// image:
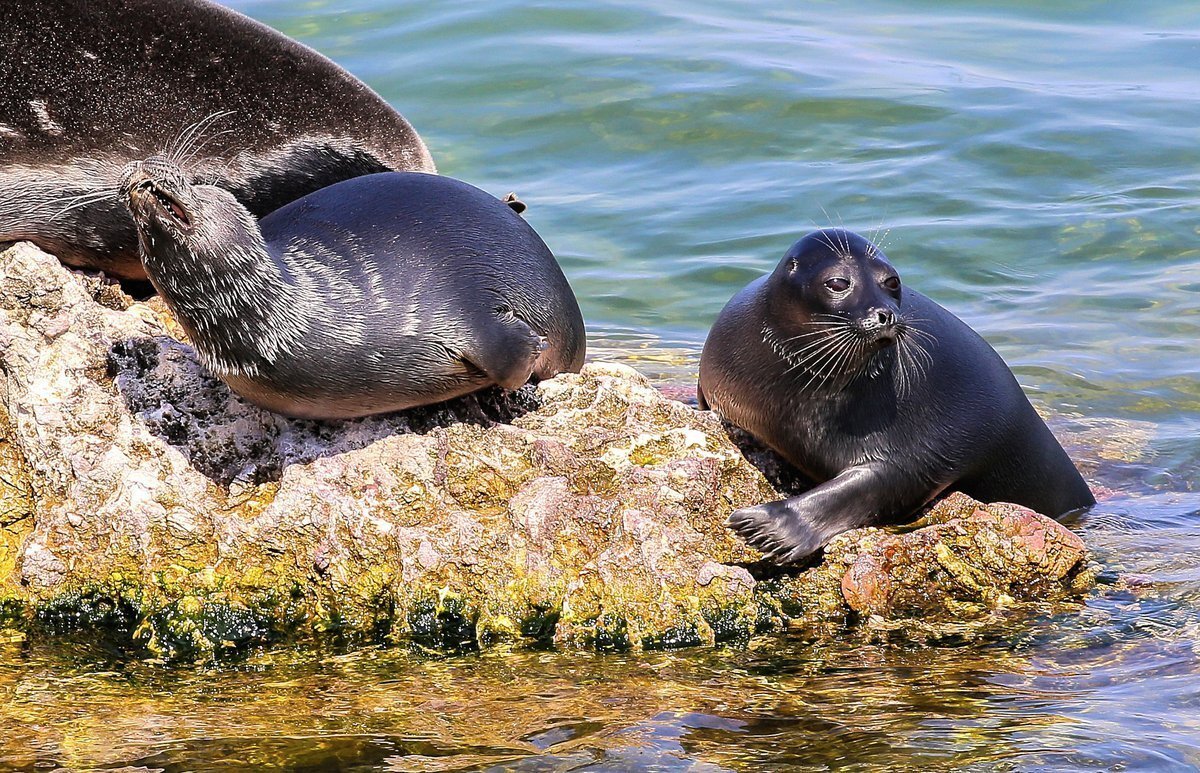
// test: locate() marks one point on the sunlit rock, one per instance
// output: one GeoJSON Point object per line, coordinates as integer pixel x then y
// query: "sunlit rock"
{"type": "Point", "coordinates": [138, 494]}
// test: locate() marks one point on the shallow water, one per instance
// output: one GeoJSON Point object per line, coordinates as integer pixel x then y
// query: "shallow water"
{"type": "Point", "coordinates": [1035, 168]}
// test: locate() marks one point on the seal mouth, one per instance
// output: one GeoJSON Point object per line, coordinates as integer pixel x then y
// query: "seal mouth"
{"type": "Point", "coordinates": [168, 203]}
{"type": "Point", "coordinates": [149, 195]}
{"type": "Point", "coordinates": [882, 339]}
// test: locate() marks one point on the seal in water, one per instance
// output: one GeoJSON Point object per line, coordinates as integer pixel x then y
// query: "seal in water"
{"type": "Point", "coordinates": [88, 85]}
{"type": "Point", "coordinates": [374, 294]}
{"type": "Point", "coordinates": [878, 394]}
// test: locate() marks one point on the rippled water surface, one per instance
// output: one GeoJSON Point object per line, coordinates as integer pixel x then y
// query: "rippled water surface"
{"type": "Point", "coordinates": [1034, 167]}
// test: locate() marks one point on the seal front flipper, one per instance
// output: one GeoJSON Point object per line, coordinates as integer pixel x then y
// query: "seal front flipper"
{"type": "Point", "coordinates": [505, 349]}
{"type": "Point", "coordinates": [789, 531]}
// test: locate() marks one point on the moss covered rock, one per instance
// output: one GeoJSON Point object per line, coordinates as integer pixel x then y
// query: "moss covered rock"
{"type": "Point", "coordinates": [587, 510]}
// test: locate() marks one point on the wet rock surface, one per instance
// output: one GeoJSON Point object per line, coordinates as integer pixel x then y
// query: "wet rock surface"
{"type": "Point", "coordinates": [139, 495]}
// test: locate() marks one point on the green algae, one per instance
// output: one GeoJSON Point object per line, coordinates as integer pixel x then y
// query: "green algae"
{"type": "Point", "coordinates": [444, 624]}
{"type": "Point", "coordinates": [539, 624]}
{"type": "Point", "coordinates": [674, 638]}
{"type": "Point", "coordinates": [606, 633]}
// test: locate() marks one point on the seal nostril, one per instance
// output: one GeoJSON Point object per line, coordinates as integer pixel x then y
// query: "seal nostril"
{"type": "Point", "coordinates": [885, 317]}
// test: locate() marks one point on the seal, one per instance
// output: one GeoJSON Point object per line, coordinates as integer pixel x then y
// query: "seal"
{"type": "Point", "coordinates": [375, 294]}
{"type": "Point", "coordinates": [88, 85]}
{"type": "Point", "coordinates": [879, 395]}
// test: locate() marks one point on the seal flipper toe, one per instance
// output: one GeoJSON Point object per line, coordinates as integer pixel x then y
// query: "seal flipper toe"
{"type": "Point", "coordinates": [780, 530]}
{"type": "Point", "coordinates": [506, 350]}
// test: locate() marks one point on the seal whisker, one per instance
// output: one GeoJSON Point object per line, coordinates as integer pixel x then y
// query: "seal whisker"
{"type": "Point", "coordinates": [176, 146]}
{"type": "Point", "coordinates": [882, 240]}
{"type": "Point", "coordinates": [84, 200]}
{"type": "Point", "coordinates": [909, 371]}
{"type": "Point", "coordinates": [822, 328]}
{"type": "Point", "coordinates": [829, 355]}
{"type": "Point", "coordinates": [922, 357]}
{"type": "Point", "coordinates": [905, 379]}
{"type": "Point", "coordinates": [191, 133]}
{"type": "Point", "coordinates": [809, 334]}
{"type": "Point", "coordinates": [879, 234]}
{"type": "Point", "coordinates": [917, 333]}
{"type": "Point", "coordinates": [191, 156]}
{"type": "Point", "coordinates": [826, 326]}
{"type": "Point", "coordinates": [827, 337]}
{"type": "Point", "coordinates": [842, 237]}
{"type": "Point", "coordinates": [833, 242]}
{"type": "Point", "coordinates": [838, 374]}
{"type": "Point", "coordinates": [219, 170]}
{"type": "Point", "coordinates": [844, 345]}
{"type": "Point", "coordinates": [914, 362]}
{"type": "Point", "coordinates": [834, 317]}
{"type": "Point", "coordinates": [807, 355]}
{"type": "Point", "coordinates": [829, 242]}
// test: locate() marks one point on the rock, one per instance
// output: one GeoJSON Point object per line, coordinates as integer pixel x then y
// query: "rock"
{"type": "Point", "coordinates": [991, 555]}
{"type": "Point", "coordinates": [138, 494]}
{"type": "Point", "coordinates": [963, 561]}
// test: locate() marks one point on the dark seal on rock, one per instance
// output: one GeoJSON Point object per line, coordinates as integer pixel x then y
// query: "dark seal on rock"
{"type": "Point", "coordinates": [378, 293]}
{"type": "Point", "coordinates": [878, 394]}
{"type": "Point", "coordinates": [88, 85]}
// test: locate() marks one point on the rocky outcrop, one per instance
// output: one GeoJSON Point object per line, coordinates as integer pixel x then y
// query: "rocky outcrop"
{"type": "Point", "coordinates": [139, 493]}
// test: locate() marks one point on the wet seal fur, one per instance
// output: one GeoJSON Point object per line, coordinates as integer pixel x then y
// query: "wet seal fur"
{"type": "Point", "coordinates": [379, 293]}
{"type": "Point", "coordinates": [86, 86]}
{"type": "Point", "coordinates": [878, 394]}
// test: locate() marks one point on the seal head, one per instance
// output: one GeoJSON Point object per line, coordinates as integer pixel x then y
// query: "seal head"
{"type": "Point", "coordinates": [830, 313]}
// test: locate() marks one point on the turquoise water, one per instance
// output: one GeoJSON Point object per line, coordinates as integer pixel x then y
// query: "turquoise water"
{"type": "Point", "coordinates": [1033, 167]}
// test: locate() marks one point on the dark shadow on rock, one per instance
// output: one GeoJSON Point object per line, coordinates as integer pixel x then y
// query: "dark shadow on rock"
{"type": "Point", "coordinates": [786, 479]}
{"type": "Point", "coordinates": [232, 441]}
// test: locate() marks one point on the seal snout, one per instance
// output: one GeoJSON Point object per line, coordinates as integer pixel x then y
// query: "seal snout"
{"type": "Point", "coordinates": [880, 325]}
{"type": "Point", "coordinates": [151, 187]}
{"type": "Point", "coordinates": [133, 175]}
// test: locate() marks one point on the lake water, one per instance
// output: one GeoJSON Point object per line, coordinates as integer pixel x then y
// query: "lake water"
{"type": "Point", "coordinates": [1034, 167]}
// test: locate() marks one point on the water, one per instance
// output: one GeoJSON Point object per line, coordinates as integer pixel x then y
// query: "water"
{"type": "Point", "coordinates": [1033, 167]}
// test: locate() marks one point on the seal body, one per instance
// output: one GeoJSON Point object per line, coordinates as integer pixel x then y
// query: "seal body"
{"type": "Point", "coordinates": [378, 293]}
{"type": "Point", "coordinates": [86, 86]}
{"type": "Point", "coordinates": [878, 394]}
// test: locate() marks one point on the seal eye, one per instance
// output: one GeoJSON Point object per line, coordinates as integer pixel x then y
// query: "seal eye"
{"type": "Point", "coordinates": [838, 284]}
{"type": "Point", "coordinates": [892, 283]}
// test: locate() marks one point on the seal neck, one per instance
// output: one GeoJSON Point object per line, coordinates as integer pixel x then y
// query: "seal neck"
{"type": "Point", "coordinates": [229, 292]}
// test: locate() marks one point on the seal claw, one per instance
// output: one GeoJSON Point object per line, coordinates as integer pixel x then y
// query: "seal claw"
{"type": "Point", "coordinates": [776, 532]}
